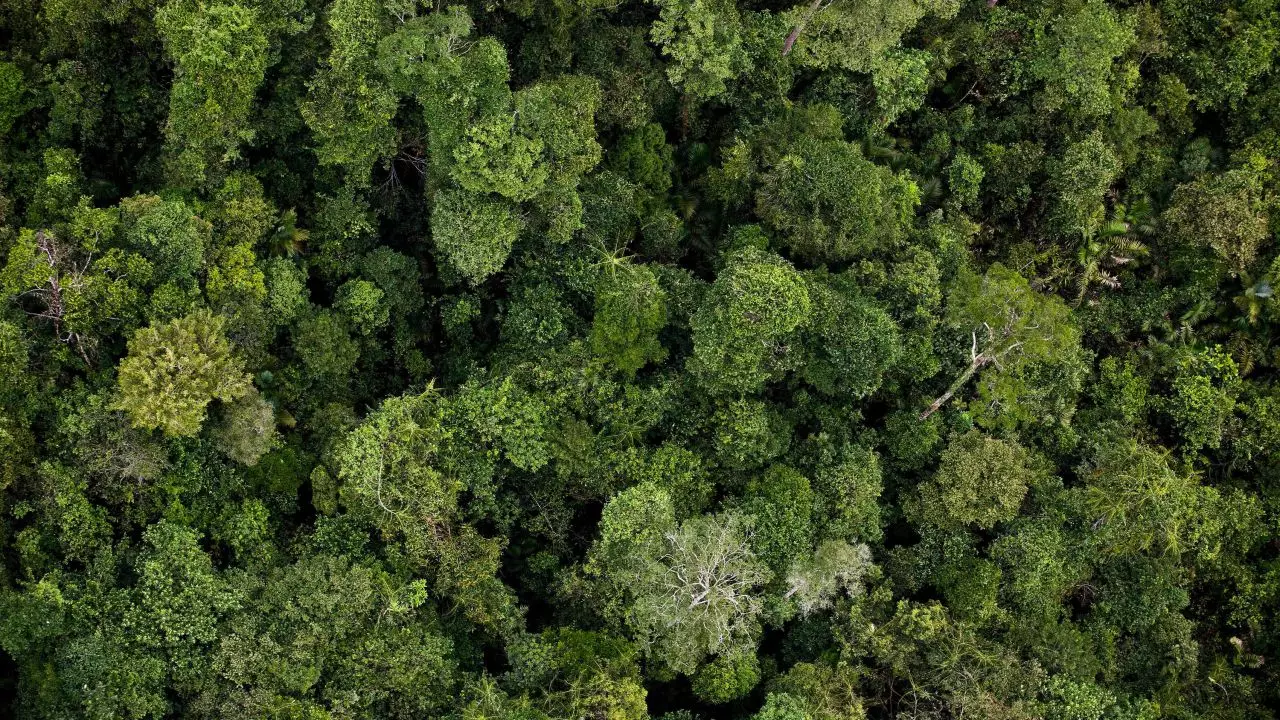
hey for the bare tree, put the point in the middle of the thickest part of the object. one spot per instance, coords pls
(59, 274)
(700, 598)
(1009, 324)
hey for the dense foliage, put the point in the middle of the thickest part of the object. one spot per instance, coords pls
(628, 359)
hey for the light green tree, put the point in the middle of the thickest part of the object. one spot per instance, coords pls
(853, 35)
(1138, 503)
(980, 482)
(630, 309)
(173, 370)
(493, 157)
(220, 54)
(1206, 385)
(389, 469)
(703, 38)
(364, 304)
(474, 233)
(349, 108)
(1075, 58)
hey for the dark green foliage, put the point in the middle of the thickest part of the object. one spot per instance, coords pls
(168, 234)
(631, 359)
(780, 501)
(828, 202)
(854, 341)
(645, 158)
(630, 310)
(744, 331)
(11, 91)
(1224, 213)
(325, 348)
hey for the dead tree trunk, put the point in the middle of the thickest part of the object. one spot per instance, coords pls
(814, 7)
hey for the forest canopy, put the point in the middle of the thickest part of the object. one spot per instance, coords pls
(631, 359)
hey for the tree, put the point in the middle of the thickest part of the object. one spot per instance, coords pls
(178, 600)
(220, 52)
(853, 35)
(703, 39)
(364, 305)
(58, 282)
(980, 482)
(1104, 253)
(389, 469)
(728, 677)
(169, 234)
(1224, 213)
(1075, 57)
(1138, 503)
(579, 673)
(852, 341)
(846, 493)
(348, 107)
(830, 203)
(1010, 325)
(175, 369)
(494, 158)
(633, 526)
(743, 334)
(644, 157)
(689, 590)
(11, 91)
(460, 81)
(1205, 387)
(1079, 179)
(782, 706)
(748, 433)
(781, 503)
(821, 691)
(631, 308)
(325, 347)
(560, 116)
(287, 294)
(247, 428)
(700, 597)
(474, 233)
(814, 581)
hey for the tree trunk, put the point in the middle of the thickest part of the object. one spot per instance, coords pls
(977, 364)
(799, 28)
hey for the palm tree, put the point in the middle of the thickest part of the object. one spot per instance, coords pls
(288, 239)
(1254, 296)
(1103, 254)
